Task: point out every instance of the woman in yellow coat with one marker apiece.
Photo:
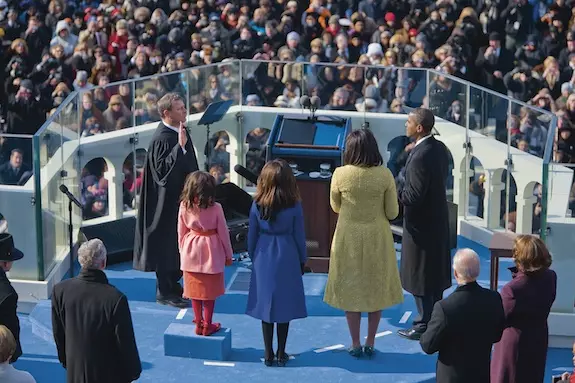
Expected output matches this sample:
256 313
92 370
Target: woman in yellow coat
363 273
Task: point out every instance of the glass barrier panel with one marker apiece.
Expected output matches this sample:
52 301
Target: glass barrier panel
54 214
488 114
229 80
447 98
17 211
283 83
258 87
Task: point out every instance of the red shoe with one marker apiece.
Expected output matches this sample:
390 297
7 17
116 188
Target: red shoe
211 328
199 328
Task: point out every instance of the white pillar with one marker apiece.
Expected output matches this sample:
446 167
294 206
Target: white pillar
115 177
524 214
461 187
492 203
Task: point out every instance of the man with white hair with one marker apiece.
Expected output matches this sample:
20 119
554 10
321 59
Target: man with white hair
464 326
92 324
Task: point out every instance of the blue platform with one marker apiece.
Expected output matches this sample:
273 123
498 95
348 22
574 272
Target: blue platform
181 340
317 343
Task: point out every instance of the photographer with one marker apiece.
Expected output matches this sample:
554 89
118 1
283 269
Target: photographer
518 23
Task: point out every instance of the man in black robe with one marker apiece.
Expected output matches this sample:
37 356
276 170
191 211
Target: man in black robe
425 268
170 158
8 296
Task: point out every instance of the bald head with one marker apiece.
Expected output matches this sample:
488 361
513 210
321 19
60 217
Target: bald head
466 266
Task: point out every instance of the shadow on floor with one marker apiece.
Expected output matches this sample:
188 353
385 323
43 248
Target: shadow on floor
380 363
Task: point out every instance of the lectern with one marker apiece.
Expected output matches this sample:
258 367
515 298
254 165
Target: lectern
313 146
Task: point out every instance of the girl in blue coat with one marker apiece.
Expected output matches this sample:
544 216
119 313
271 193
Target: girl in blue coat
276 244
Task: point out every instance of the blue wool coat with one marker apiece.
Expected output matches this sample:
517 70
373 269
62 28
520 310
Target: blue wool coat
277 249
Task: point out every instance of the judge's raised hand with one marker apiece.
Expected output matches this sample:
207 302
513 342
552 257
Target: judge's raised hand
182 136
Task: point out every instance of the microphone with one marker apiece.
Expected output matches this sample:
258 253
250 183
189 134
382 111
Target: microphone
304 101
248 175
65 190
315 102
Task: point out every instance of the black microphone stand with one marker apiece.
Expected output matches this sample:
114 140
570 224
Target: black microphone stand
70 234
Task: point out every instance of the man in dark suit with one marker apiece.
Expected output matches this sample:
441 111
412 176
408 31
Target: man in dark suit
92 324
493 63
170 158
425 268
14 172
8 296
464 326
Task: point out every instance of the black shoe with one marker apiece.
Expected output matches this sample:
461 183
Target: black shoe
410 334
282 360
269 362
174 302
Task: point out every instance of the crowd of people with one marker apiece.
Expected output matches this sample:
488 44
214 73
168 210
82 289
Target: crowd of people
517 47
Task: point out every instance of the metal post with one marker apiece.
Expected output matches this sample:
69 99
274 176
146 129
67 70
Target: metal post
467 154
509 164
427 86
38 207
241 90
70 240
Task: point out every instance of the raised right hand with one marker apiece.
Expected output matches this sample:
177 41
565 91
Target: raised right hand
182 136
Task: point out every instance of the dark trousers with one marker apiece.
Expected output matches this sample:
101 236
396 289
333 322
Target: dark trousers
168 284
425 305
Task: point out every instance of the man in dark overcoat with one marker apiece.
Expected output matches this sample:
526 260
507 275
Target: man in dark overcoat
8 296
465 325
170 158
425 267
92 324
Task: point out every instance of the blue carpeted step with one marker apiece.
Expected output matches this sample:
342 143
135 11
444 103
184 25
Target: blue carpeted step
181 340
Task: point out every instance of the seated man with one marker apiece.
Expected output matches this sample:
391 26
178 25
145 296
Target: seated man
464 326
8 374
15 171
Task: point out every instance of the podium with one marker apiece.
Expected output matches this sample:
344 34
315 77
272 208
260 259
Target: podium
313 146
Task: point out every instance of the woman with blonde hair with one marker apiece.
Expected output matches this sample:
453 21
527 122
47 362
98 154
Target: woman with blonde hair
8 374
520 355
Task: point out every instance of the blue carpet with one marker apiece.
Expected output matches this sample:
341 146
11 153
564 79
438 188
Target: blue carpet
398 360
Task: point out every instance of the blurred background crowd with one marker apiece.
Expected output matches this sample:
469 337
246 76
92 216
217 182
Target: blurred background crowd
522 48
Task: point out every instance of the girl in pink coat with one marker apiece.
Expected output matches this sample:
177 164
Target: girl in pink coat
205 248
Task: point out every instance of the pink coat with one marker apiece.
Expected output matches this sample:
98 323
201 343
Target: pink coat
202 251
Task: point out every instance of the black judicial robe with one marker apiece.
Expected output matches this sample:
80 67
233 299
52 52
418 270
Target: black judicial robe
425 267
165 171
8 311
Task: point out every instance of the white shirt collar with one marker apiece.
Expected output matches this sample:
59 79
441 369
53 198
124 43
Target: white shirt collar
422 139
177 130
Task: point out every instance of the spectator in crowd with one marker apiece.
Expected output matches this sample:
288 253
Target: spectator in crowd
8 296
15 172
90 317
464 326
8 347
